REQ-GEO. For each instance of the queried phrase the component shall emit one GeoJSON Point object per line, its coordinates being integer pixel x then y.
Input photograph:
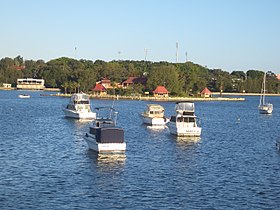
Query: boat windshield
{"type": "Point", "coordinates": [156, 112]}
{"type": "Point", "coordinates": [80, 98]}
{"type": "Point", "coordinates": [185, 119]}
{"type": "Point", "coordinates": [81, 102]}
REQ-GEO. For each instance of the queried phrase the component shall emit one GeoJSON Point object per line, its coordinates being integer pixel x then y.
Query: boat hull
{"type": "Point", "coordinates": [265, 109]}
{"type": "Point", "coordinates": [24, 96]}
{"type": "Point", "coordinates": [104, 148]}
{"type": "Point", "coordinates": [182, 130]}
{"type": "Point", "coordinates": [79, 115]}
{"type": "Point", "coordinates": [154, 121]}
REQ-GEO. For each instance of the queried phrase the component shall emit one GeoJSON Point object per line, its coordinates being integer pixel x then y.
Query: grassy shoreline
{"type": "Point", "coordinates": [245, 94]}
{"type": "Point", "coordinates": [151, 98]}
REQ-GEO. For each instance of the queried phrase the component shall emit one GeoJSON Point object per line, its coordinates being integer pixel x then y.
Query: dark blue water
{"type": "Point", "coordinates": [45, 162]}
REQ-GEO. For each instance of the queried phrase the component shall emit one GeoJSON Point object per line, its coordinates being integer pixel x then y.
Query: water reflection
{"type": "Point", "coordinates": [278, 143]}
{"type": "Point", "coordinates": [107, 161]}
{"type": "Point", "coordinates": [186, 142]}
{"type": "Point", "coordinates": [187, 139]}
{"type": "Point", "coordinates": [78, 121]}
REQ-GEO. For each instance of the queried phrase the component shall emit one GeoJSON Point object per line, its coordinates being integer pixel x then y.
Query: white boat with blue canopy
{"type": "Point", "coordinates": [184, 123]}
{"type": "Point", "coordinates": [104, 136]}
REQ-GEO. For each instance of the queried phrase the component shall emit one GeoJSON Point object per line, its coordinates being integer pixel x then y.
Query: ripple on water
{"type": "Point", "coordinates": [45, 162]}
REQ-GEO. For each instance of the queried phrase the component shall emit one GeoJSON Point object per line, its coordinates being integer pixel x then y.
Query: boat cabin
{"type": "Point", "coordinates": [80, 98]}
{"type": "Point", "coordinates": [185, 113]}
{"type": "Point", "coordinates": [154, 110]}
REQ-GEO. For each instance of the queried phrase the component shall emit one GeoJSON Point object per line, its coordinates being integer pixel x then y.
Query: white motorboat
{"type": "Point", "coordinates": [24, 96]}
{"type": "Point", "coordinates": [154, 115]}
{"type": "Point", "coordinates": [264, 107]}
{"type": "Point", "coordinates": [104, 137]}
{"type": "Point", "coordinates": [79, 107]}
{"type": "Point", "coordinates": [184, 123]}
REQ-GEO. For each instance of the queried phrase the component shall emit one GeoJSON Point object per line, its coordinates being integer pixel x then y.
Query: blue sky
{"type": "Point", "coordinates": [226, 34]}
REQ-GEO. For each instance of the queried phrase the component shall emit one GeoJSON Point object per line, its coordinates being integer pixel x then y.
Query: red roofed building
{"type": "Point", "coordinates": [106, 83]}
{"type": "Point", "coordinates": [99, 89]}
{"type": "Point", "coordinates": [206, 93]}
{"type": "Point", "coordinates": [160, 91]}
{"type": "Point", "coordinates": [134, 80]}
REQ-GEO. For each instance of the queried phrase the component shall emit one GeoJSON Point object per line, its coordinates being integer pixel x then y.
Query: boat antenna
{"type": "Point", "coordinates": [262, 100]}
{"type": "Point", "coordinates": [112, 108]}
{"type": "Point", "coordinates": [113, 103]}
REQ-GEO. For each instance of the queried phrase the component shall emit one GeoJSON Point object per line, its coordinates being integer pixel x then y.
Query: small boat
{"type": "Point", "coordinates": [184, 123]}
{"type": "Point", "coordinates": [104, 137]}
{"type": "Point", "coordinates": [264, 107]}
{"type": "Point", "coordinates": [154, 115]}
{"type": "Point", "coordinates": [24, 96]}
{"type": "Point", "coordinates": [79, 107]}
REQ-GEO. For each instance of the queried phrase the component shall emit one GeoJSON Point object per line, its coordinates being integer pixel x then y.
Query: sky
{"type": "Point", "coordinates": [232, 35]}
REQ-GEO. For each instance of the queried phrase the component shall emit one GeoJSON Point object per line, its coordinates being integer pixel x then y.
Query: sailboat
{"type": "Point", "coordinates": [264, 107]}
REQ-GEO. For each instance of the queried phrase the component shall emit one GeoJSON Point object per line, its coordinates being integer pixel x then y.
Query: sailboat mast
{"type": "Point", "coordinates": [264, 87]}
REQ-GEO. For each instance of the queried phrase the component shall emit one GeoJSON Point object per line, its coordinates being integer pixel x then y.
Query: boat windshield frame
{"type": "Point", "coordinates": [110, 114]}
{"type": "Point", "coordinates": [80, 97]}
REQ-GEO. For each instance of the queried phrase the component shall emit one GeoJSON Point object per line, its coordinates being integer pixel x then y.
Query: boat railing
{"type": "Point", "coordinates": [108, 113]}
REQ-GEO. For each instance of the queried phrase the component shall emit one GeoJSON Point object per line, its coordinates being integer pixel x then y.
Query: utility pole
{"type": "Point", "coordinates": [119, 52]}
{"type": "Point", "coordinates": [146, 52]}
{"type": "Point", "coordinates": [186, 56]}
{"type": "Point", "coordinates": [75, 52]}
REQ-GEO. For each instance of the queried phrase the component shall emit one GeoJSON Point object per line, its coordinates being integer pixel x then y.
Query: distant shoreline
{"type": "Point", "coordinates": [246, 94]}
{"type": "Point", "coordinates": [151, 98]}
{"type": "Point", "coordinates": [46, 89]}
{"type": "Point", "coordinates": [214, 93]}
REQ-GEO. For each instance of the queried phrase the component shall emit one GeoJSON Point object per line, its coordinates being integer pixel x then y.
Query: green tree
{"type": "Point", "coordinates": [164, 75]}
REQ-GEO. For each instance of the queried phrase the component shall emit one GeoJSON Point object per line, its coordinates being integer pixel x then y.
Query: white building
{"type": "Point", "coordinates": [31, 84]}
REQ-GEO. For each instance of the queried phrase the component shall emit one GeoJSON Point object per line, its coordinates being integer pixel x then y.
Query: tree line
{"type": "Point", "coordinates": [181, 79]}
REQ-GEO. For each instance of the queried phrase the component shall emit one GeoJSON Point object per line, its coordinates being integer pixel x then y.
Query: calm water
{"type": "Point", "coordinates": [45, 162]}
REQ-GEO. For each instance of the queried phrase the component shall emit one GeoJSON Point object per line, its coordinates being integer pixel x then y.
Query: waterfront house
{"type": "Point", "coordinates": [161, 92]}
{"type": "Point", "coordinates": [105, 82]}
{"type": "Point", "coordinates": [99, 89]}
{"type": "Point", "coordinates": [134, 80]}
{"type": "Point", "coordinates": [7, 85]}
{"type": "Point", "coordinates": [206, 93]}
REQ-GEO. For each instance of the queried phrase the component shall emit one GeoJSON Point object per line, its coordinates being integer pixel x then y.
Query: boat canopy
{"type": "Point", "coordinates": [184, 106]}
{"type": "Point", "coordinates": [155, 107]}
{"type": "Point", "coordinates": [109, 135]}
